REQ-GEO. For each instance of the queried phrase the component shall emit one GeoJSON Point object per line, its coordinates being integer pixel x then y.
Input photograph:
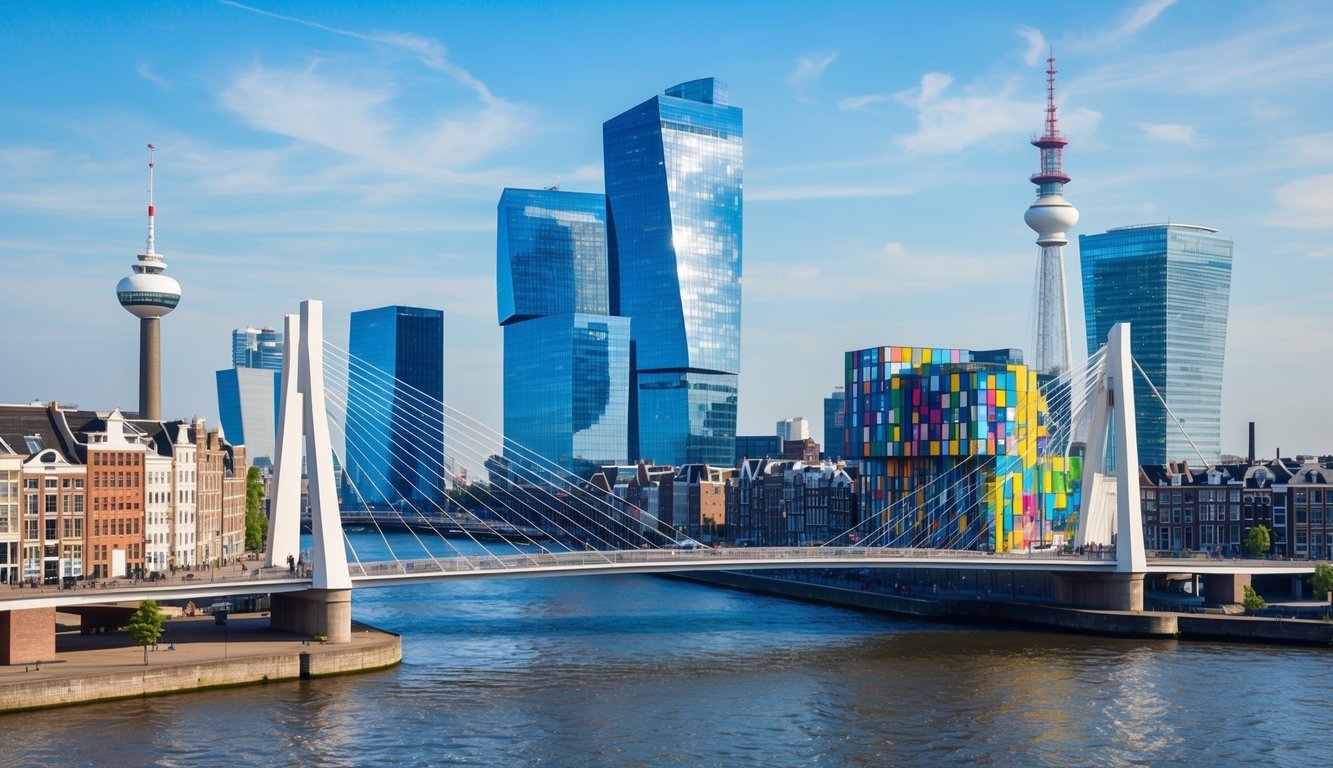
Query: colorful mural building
{"type": "Point", "coordinates": [952, 446]}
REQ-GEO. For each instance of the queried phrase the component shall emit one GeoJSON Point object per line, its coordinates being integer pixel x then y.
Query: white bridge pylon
{"type": "Point", "coordinates": [304, 414]}
{"type": "Point", "coordinates": [1112, 513]}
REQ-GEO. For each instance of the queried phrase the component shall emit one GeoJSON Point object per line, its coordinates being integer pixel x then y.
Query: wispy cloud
{"type": "Point", "coordinates": [1036, 44]}
{"type": "Point", "coordinates": [1171, 132]}
{"type": "Point", "coordinates": [1305, 203]}
{"type": "Point", "coordinates": [893, 269]}
{"type": "Point", "coordinates": [953, 123]}
{"type": "Point", "coordinates": [1142, 15]}
{"type": "Point", "coordinates": [809, 70]}
{"type": "Point", "coordinates": [819, 192]}
{"type": "Point", "coordinates": [429, 52]}
{"type": "Point", "coordinates": [145, 71]}
{"type": "Point", "coordinates": [853, 103]}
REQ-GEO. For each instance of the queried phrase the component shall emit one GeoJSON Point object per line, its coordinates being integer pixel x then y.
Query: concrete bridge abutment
{"type": "Point", "coordinates": [1107, 591]}
{"type": "Point", "coordinates": [1224, 588]}
{"type": "Point", "coordinates": [314, 612]}
{"type": "Point", "coordinates": [27, 635]}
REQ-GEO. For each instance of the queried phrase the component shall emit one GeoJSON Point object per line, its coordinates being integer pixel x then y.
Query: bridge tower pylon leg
{"type": "Point", "coordinates": [325, 609]}
{"type": "Point", "coordinates": [1112, 514]}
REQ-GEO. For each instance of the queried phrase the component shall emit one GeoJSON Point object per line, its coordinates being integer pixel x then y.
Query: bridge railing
{"type": "Point", "coordinates": [796, 555]}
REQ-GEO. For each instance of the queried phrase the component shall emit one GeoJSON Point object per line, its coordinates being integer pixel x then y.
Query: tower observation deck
{"type": "Point", "coordinates": [148, 294]}
{"type": "Point", "coordinates": [1051, 216]}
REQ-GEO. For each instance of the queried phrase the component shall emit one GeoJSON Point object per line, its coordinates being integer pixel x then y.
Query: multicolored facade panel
{"type": "Point", "coordinates": [950, 443]}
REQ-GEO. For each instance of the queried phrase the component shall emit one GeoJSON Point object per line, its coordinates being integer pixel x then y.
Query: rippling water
{"type": "Point", "coordinates": [638, 671]}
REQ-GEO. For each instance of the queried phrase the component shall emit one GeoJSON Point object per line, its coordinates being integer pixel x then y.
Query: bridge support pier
{"type": "Point", "coordinates": [1107, 591]}
{"type": "Point", "coordinates": [27, 635]}
{"type": "Point", "coordinates": [323, 612]}
{"type": "Point", "coordinates": [1224, 588]}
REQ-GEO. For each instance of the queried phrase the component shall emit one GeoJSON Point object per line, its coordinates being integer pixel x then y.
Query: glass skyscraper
{"type": "Point", "coordinates": [256, 348]}
{"type": "Point", "coordinates": [250, 391]}
{"type": "Point", "coordinates": [566, 358]}
{"type": "Point", "coordinates": [673, 189]}
{"type": "Point", "coordinates": [1172, 283]}
{"type": "Point", "coordinates": [395, 417]}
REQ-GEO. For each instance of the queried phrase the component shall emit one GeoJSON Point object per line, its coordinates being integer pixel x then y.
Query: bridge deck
{"type": "Point", "coordinates": [219, 583]}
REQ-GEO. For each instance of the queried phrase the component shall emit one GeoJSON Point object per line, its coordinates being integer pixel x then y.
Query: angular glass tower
{"type": "Point", "coordinates": [248, 401]}
{"type": "Point", "coordinates": [395, 416]}
{"type": "Point", "coordinates": [673, 188]}
{"type": "Point", "coordinates": [566, 359]}
{"type": "Point", "coordinates": [1172, 283]}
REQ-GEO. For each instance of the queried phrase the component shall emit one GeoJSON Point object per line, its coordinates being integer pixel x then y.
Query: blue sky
{"type": "Point", "coordinates": [355, 152]}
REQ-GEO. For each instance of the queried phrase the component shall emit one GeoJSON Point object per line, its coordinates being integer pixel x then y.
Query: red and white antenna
{"type": "Point", "coordinates": [151, 165]}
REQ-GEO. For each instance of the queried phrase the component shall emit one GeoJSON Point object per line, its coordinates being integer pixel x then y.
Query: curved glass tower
{"type": "Point", "coordinates": [673, 189]}
{"type": "Point", "coordinates": [1172, 284]}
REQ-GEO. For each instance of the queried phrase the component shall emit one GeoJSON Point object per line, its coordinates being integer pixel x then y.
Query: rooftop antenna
{"type": "Point", "coordinates": [151, 165]}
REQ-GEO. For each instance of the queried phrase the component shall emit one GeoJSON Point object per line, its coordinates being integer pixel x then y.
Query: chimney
{"type": "Point", "coordinates": [1251, 454]}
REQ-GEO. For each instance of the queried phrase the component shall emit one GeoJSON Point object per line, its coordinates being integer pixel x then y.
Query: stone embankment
{"type": "Point", "coordinates": [194, 654]}
{"type": "Point", "coordinates": [1149, 624]}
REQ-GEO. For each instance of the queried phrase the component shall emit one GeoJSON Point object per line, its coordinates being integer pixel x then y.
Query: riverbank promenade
{"type": "Point", "coordinates": [194, 653]}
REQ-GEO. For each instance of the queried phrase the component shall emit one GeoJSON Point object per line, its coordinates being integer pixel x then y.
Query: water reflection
{"type": "Point", "coordinates": [634, 670]}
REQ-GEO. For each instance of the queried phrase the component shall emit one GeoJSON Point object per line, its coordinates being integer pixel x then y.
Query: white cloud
{"type": "Point", "coordinates": [431, 53]}
{"type": "Point", "coordinates": [853, 103]}
{"type": "Point", "coordinates": [145, 71]}
{"type": "Point", "coordinates": [818, 191]}
{"type": "Point", "coordinates": [1171, 132]}
{"type": "Point", "coordinates": [1305, 203]}
{"type": "Point", "coordinates": [1142, 15]}
{"type": "Point", "coordinates": [810, 69]}
{"type": "Point", "coordinates": [892, 270]}
{"type": "Point", "coordinates": [1036, 44]}
{"type": "Point", "coordinates": [951, 124]}
{"type": "Point", "coordinates": [358, 120]}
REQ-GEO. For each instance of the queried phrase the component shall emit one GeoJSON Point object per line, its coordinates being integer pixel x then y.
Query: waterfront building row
{"type": "Point", "coordinates": [1213, 509]}
{"type": "Point", "coordinates": [88, 495]}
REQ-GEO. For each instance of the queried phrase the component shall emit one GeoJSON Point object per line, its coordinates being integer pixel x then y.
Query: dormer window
{"type": "Point", "coordinates": [35, 443]}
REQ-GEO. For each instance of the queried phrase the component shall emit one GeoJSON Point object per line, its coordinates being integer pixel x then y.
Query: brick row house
{"type": "Point", "coordinates": [89, 495]}
{"type": "Point", "coordinates": [1213, 509]}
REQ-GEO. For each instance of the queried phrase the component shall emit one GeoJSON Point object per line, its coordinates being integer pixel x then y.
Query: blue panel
{"type": "Point", "coordinates": [395, 417]}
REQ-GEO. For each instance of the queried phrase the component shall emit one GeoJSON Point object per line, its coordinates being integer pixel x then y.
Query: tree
{"type": "Point", "coordinates": [1252, 601]}
{"type": "Point", "coordinates": [145, 626]}
{"type": "Point", "coordinates": [256, 522]}
{"type": "Point", "coordinates": [1257, 541]}
{"type": "Point", "coordinates": [1322, 583]}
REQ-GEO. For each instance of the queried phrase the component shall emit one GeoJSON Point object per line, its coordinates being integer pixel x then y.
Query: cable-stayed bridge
{"type": "Point", "coordinates": [548, 522]}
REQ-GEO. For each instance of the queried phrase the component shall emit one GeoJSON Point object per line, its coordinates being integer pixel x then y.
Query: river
{"type": "Point", "coordinates": [641, 671]}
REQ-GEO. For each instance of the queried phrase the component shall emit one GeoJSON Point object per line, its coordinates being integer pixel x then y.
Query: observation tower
{"type": "Point", "coordinates": [1050, 217]}
{"type": "Point", "coordinates": [148, 294]}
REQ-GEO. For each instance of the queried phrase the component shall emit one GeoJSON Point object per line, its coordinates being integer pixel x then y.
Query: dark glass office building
{"type": "Point", "coordinates": [566, 358]}
{"type": "Point", "coordinates": [673, 190]}
{"type": "Point", "coordinates": [1172, 284]}
{"type": "Point", "coordinates": [395, 416]}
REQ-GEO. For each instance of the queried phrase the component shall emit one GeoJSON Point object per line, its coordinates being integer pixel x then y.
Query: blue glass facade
{"type": "Point", "coordinates": [550, 254]}
{"type": "Point", "coordinates": [566, 359]}
{"type": "Point", "coordinates": [835, 414]}
{"type": "Point", "coordinates": [566, 380]}
{"type": "Point", "coordinates": [674, 192]}
{"type": "Point", "coordinates": [1172, 283]}
{"type": "Point", "coordinates": [395, 417]}
{"type": "Point", "coordinates": [256, 348]}
{"type": "Point", "coordinates": [248, 400]}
